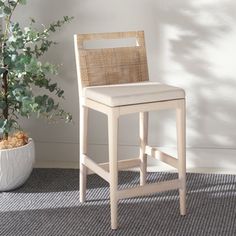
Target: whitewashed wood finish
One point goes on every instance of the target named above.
(149, 189)
(96, 106)
(113, 167)
(110, 172)
(93, 166)
(146, 107)
(181, 146)
(122, 165)
(139, 35)
(143, 137)
(157, 154)
(83, 150)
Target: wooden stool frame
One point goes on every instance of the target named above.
(109, 171)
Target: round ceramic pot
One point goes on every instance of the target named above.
(16, 165)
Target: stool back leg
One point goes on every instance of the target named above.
(113, 166)
(143, 138)
(181, 149)
(83, 130)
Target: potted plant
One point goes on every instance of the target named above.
(25, 90)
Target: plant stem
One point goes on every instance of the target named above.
(5, 74)
(8, 21)
(5, 92)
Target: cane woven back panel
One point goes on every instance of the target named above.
(118, 65)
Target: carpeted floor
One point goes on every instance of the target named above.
(48, 204)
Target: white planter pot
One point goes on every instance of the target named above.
(16, 164)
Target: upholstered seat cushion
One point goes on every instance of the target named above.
(132, 93)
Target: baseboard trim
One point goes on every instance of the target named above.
(56, 165)
(199, 160)
(151, 168)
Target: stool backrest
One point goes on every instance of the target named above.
(104, 66)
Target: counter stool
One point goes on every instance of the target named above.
(115, 81)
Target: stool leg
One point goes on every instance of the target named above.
(83, 150)
(143, 136)
(181, 149)
(112, 137)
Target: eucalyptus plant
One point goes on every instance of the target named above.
(22, 70)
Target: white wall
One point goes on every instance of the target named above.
(190, 43)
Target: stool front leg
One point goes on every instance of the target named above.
(143, 138)
(83, 130)
(181, 149)
(113, 166)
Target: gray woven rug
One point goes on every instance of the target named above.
(48, 204)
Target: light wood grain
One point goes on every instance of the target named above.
(181, 147)
(164, 157)
(143, 138)
(113, 166)
(83, 150)
(122, 165)
(92, 165)
(139, 35)
(149, 189)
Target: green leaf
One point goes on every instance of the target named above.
(23, 2)
(2, 105)
(60, 93)
(34, 107)
(13, 3)
(7, 10)
(2, 125)
(52, 87)
(2, 70)
(50, 105)
(7, 125)
(32, 20)
(21, 52)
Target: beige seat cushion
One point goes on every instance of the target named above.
(132, 93)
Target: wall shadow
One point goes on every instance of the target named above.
(197, 54)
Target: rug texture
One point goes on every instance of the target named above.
(48, 204)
